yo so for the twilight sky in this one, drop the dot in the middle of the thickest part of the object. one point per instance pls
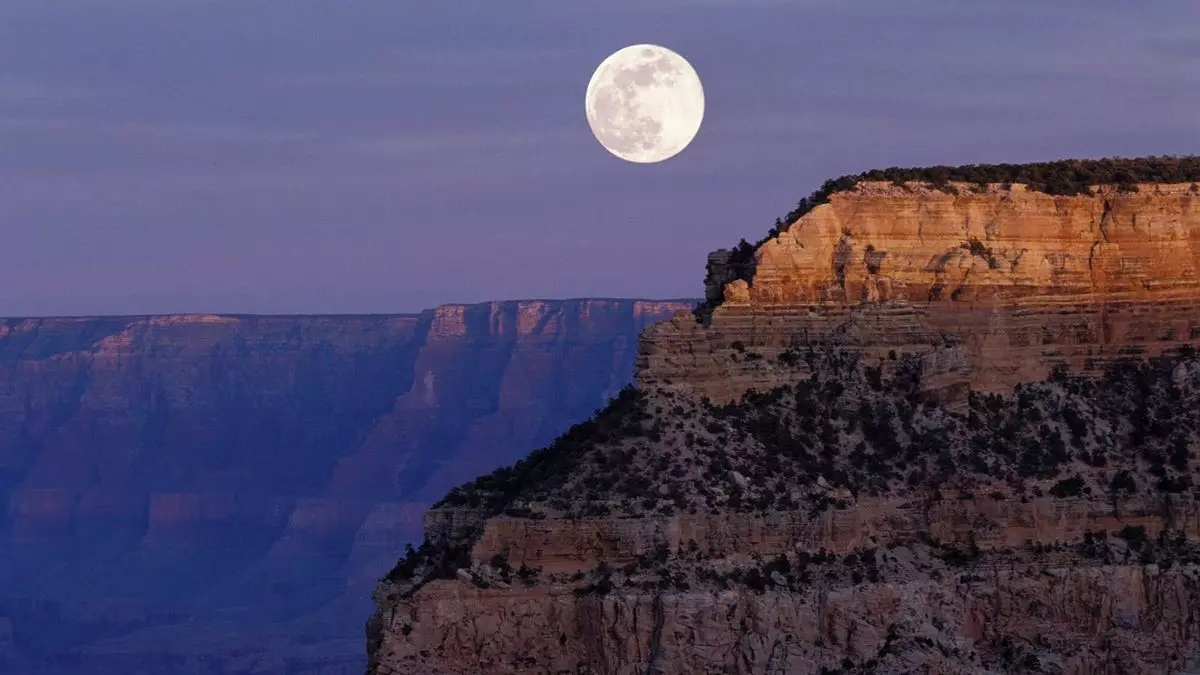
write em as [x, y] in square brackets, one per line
[391, 155]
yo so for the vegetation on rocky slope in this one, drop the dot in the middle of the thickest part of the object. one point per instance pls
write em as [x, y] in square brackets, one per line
[1063, 177]
[623, 418]
[851, 430]
[855, 429]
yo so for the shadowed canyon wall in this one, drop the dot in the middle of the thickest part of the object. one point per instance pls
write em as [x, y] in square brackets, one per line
[209, 493]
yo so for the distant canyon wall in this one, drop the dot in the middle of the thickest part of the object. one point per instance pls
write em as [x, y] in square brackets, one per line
[172, 465]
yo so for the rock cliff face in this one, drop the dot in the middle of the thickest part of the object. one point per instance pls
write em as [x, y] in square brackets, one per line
[996, 285]
[939, 429]
[222, 492]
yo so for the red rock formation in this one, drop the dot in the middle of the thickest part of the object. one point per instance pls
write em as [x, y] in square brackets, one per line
[989, 287]
[996, 285]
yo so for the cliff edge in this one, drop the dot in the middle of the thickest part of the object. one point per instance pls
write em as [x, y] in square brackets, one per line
[993, 284]
[925, 426]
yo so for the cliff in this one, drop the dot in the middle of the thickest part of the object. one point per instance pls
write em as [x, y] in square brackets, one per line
[924, 428]
[233, 486]
[994, 285]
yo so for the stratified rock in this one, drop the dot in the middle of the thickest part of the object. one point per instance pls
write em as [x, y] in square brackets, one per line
[995, 285]
[943, 428]
[158, 471]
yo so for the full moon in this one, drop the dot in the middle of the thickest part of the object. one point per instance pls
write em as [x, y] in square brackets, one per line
[645, 103]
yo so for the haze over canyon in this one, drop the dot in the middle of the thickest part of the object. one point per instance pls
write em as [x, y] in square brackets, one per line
[219, 494]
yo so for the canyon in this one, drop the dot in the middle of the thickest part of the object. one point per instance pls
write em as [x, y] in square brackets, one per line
[939, 427]
[220, 493]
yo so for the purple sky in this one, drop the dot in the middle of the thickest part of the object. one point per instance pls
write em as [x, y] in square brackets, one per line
[391, 155]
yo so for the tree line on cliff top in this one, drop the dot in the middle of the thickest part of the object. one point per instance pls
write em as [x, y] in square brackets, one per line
[1066, 177]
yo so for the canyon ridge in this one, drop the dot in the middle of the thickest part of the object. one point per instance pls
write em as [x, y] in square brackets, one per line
[939, 420]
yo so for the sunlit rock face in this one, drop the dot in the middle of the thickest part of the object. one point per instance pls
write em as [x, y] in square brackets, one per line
[234, 486]
[864, 460]
[995, 285]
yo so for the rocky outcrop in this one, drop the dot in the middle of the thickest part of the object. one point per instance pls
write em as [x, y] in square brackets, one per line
[557, 546]
[177, 468]
[1024, 610]
[995, 284]
[863, 459]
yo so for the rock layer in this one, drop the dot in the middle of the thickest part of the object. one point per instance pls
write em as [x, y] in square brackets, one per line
[1070, 613]
[995, 284]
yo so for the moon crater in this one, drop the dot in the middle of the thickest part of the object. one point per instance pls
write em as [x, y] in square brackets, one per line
[645, 103]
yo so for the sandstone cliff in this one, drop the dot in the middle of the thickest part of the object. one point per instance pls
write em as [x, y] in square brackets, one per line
[914, 437]
[222, 492]
[995, 285]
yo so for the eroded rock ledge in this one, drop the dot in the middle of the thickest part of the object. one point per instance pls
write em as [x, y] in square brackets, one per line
[995, 284]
